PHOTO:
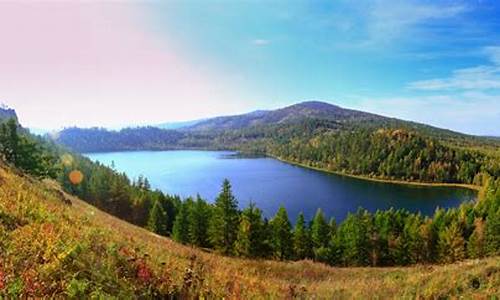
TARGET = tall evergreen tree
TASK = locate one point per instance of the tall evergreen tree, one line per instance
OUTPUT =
(282, 235)
(492, 231)
(320, 235)
(301, 239)
(199, 217)
(224, 222)
(157, 221)
(180, 230)
(353, 235)
(409, 243)
(476, 244)
(249, 237)
(451, 244)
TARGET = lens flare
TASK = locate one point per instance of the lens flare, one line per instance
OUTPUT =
(75, 177)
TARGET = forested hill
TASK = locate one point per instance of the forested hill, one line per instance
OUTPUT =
(287, 115)
(319, 135)
(230, 131)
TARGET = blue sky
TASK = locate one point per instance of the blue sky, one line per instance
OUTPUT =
(431, 61)
(122, 63)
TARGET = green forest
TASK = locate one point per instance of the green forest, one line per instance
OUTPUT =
(383, 238)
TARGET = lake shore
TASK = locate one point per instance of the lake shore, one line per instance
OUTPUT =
(476, 188)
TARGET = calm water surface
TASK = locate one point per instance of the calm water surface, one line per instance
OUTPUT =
(271, 183)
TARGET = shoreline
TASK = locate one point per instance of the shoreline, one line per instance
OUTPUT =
(401, 182)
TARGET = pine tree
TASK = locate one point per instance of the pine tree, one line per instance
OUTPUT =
(320, 235)
(180, 230)
(249, 237)
(157, 221)
(409, 244)
(354, 240)
(492, 232)
(224, 222)
(282, 235)
(476, 244)
(301, 239)
(451, 244)
(199, 216)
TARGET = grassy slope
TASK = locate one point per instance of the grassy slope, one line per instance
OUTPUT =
(50, 248)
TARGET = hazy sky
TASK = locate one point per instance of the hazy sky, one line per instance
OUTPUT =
(90, 63)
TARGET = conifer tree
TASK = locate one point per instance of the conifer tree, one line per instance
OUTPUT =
(476, 244)
(266, 240)
(320, 235)
(282, 235)
(199, 217)
(157, 221)
(249, 237)
(301, 239)
(492, 231)
(409, 243)
(224, 222)
(451, 244)
(353, 235)
(180, 230)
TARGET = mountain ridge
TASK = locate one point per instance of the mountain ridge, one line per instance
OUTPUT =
(289, 114)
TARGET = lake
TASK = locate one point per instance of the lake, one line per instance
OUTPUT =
(271, 183)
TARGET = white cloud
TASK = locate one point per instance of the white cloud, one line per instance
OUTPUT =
(261, 42)
(390, 20)
(494, 53)
(470, 112)
(476, 78)
(484, 77)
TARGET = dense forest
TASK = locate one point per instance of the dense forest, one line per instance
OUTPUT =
(383, 238)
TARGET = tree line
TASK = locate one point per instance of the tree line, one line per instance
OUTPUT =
(384, 238)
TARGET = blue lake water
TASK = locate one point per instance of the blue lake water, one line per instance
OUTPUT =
(271, 183)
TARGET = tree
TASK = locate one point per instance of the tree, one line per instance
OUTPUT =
(224, 223)
(180, 231)
(451, 244)
(409, 244)
(301, 239)
(157, 221)
(320, 235)
(249, 237)
(353, 237)
(24, 152)
(199, 216)
(476, 244)
(282, 236)
(492, 232)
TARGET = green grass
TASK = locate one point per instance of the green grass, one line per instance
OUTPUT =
(49, 248)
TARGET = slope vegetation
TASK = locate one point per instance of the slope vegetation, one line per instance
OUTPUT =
(54, 245)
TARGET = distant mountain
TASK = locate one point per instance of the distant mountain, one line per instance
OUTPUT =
(290, 114)
(178, 125)
(252, 130)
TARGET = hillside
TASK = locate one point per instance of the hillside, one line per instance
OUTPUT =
(287, 115)
(83, 251)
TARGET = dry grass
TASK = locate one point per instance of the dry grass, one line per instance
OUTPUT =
(50, 248)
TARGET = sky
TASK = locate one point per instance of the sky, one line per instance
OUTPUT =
(123, 63)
